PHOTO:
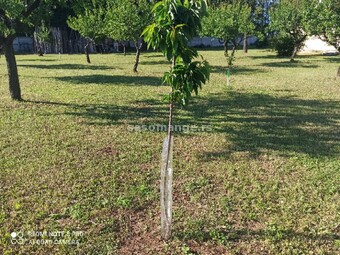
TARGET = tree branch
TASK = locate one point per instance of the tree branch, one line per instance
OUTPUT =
(5, 19)
(325, 38)
(2, 13)
(31, 8)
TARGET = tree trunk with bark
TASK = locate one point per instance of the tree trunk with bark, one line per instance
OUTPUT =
(296, 48)
(40, 50)
(124, 48)
(232, 55)
(338, 49)
(87, 52)
(245, 43)
(225, 46)
(234, 49)
(138, 52)
(12, 69)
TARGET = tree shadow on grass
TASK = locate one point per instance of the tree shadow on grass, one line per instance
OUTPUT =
(275, 57)
(159, 62)
(236, 70)
(235, 235)
(108, 114)
(251, 123)
(289, 64)
(254, 123)
(333, 59)
(36, 60)
(153, 54)
(269, 56)
(112, 79)
(68, 67)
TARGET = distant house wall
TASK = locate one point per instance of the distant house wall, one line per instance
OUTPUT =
(65, 42)
(314, 43)
(214, 42)
(23, 44)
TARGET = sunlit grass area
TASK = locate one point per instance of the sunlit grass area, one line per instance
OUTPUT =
(264, 179)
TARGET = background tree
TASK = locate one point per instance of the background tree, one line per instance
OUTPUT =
(176, 23)
(42, 35)
(288, 24)
(15, 18)
(229, 23)
(89, 22)
(259, 16)
(261, 20)
(323, 20)
(126, 20)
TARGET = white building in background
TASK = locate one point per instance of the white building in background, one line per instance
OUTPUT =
(315, 44)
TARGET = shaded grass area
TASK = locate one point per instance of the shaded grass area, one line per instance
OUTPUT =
(112, 79)
(256, 123)
(65, 66)
(262, 180)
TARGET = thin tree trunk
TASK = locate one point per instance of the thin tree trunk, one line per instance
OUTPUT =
(40, 50)
(294, 53)
(233, 50)
(12, 69)
(166, 213)
(245, 43)
(138, 48)
(297, 47)
(87, 52)
(338, 49)
(124, 49)
(167, 234)
(231, 57)
(225, 46)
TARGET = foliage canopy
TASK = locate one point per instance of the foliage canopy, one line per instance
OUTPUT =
(175, 23)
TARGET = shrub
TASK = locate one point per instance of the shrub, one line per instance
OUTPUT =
(284, 46)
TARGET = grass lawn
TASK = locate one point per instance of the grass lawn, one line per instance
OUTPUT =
(263, 180)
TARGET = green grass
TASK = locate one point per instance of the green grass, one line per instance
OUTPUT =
(265, 180)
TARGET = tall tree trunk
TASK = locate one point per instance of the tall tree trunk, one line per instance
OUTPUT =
(138, 51)
(87, 52)
(12, 69)
(245, 43)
